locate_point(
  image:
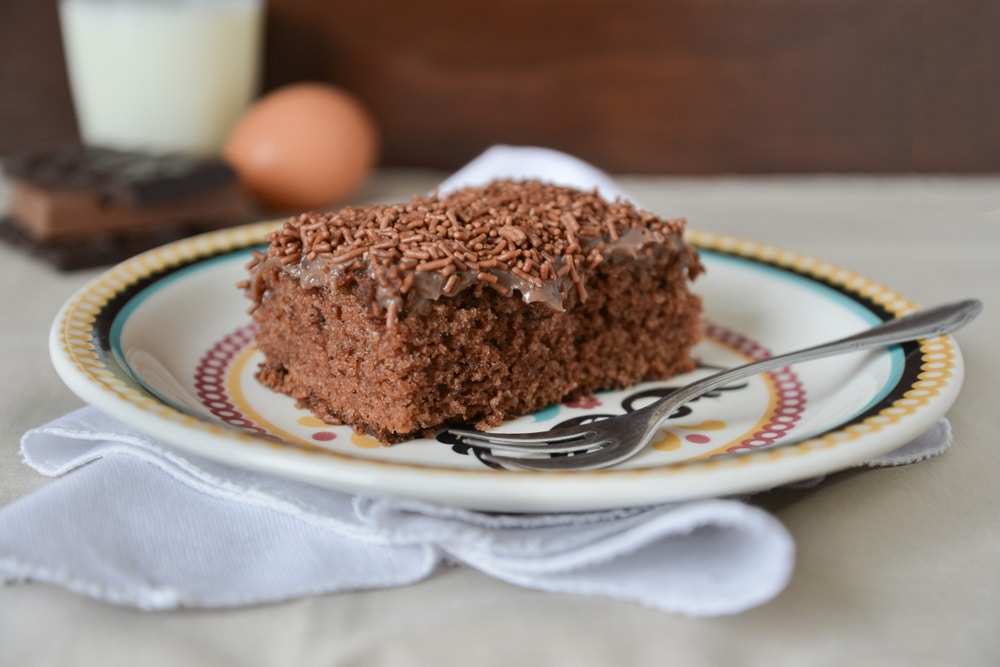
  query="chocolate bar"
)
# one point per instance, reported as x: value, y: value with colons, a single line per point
x: 123, y: 177
x: 75, y: 192
x: 89, y: 252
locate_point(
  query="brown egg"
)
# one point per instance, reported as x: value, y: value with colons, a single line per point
x: 303, y: 146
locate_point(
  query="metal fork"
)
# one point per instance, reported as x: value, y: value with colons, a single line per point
x: 604, y: 443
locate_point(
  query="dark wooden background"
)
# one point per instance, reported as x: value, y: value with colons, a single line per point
x: 670, y: 86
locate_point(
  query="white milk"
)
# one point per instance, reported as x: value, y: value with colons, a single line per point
x: 161, y: 75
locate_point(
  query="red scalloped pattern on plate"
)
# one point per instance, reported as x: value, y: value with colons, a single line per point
x: 788, y: 394
x: 210, y: 380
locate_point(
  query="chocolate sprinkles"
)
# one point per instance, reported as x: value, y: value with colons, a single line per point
x: 508, y: 234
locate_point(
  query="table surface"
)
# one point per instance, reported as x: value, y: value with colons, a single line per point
x: 894, y: 566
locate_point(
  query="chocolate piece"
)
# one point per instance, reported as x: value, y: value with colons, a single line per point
x: 472, y: 308
x: 50, y: 215
x: 73, y: 192
x: 123, y: 177
x: 95, y: 250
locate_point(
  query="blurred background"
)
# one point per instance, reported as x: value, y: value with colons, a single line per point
x: 633, y: 86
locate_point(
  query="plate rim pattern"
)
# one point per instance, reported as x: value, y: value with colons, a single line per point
x: 78, y: 345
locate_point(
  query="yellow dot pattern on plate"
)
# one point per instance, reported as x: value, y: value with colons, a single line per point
x: 710, y: 425
x: 668, y: 442
x: 364, y: 442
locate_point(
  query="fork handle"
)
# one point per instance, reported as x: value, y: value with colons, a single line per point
x: 921, y: 324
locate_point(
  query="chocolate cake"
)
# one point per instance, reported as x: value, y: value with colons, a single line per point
x: 471, y: 308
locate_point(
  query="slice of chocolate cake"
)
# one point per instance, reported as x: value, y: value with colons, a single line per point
x: 474, y: 307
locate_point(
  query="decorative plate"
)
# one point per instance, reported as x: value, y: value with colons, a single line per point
x: 163, y: 343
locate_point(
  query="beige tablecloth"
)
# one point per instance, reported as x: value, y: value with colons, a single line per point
x: 895, y: 566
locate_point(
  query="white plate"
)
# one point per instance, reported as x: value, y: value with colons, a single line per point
x: 163, y: 343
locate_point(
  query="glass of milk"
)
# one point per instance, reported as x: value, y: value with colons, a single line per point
x: 161, y: 75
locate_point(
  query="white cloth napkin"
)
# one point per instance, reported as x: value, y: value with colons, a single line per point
x: 132, y: 521
x: 527, y: 162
